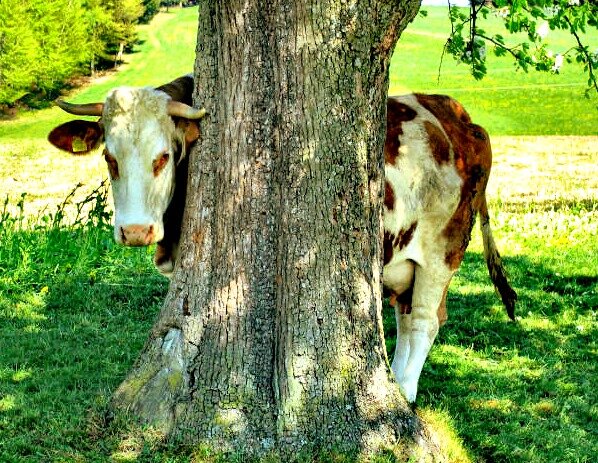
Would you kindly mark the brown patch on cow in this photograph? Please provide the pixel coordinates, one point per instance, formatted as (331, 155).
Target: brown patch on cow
(473, 162)
(180, 89)
(392, 242)
(388, 247)
(404, 237)
(444, 105)
(389, 196)
(442, 313)
(191, 133)
(162, 254)
(479, 134)
(405, 309)
(458, 229)
(396, 114)
(112, 165)
(454, 120)
(160, 163)
(403, 300)
(440, 146)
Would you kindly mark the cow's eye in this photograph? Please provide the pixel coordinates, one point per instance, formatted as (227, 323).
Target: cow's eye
(159, 163)
(112, 166)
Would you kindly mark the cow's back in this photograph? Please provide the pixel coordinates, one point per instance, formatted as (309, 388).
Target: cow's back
(435, 161)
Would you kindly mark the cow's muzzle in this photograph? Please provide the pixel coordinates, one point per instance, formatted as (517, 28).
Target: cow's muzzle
(137, 235)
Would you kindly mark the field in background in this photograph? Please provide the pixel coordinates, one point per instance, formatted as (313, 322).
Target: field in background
(505, 102)
(75, 308)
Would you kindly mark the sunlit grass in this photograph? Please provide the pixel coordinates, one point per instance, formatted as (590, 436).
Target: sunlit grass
(506, 101)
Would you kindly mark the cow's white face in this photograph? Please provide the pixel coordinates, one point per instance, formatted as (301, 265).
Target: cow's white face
(140, 148)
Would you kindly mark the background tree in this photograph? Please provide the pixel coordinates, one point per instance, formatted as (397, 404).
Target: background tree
(38, 49)
(61, 45)
(112, 28)
(270, 337)
(150, 9)
(17, 49)
(43, 44)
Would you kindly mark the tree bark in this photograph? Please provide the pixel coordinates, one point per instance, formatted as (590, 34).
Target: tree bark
(270, 337)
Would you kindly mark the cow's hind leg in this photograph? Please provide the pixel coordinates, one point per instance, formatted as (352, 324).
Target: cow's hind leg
(403, 319)
(428, 294)
(398, 278)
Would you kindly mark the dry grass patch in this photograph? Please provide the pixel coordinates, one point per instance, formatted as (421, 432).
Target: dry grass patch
(524, 169)
(46, 175)
(544, 168)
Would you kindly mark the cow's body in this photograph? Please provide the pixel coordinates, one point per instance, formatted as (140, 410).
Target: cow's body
(437, 165)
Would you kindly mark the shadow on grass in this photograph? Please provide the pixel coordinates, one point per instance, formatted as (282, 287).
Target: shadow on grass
(74, 313)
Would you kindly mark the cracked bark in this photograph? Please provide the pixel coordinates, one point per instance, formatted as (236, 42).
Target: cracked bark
(270, 336)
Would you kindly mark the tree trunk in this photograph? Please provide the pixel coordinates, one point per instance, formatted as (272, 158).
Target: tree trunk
(270, 337)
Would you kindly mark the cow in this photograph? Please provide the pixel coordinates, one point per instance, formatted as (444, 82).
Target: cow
(437, 164)
(147, 133)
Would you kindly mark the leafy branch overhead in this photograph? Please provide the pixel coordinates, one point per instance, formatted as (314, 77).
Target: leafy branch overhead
(527, 25)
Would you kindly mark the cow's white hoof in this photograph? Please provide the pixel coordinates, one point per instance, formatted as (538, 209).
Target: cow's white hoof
(409, 391)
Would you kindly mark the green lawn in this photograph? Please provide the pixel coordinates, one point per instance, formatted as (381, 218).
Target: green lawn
(75, 308)
(506, 101)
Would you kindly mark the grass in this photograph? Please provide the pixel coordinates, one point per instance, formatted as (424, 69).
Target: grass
(506, 101)
(70, 325)
(75, 309)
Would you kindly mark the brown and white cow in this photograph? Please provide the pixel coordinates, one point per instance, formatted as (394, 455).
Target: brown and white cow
(147, 134)
(437, 165)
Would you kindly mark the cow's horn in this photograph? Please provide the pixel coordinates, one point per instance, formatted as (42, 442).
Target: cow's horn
(88, 109)
(176, 108)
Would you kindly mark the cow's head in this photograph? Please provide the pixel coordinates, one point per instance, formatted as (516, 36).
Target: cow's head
(145, 135)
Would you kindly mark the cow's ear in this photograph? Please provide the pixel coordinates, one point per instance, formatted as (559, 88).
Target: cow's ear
(77, 137)
(191, 130)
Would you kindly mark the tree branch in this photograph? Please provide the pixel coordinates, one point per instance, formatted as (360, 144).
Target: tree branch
(584, 52)
(501, 45)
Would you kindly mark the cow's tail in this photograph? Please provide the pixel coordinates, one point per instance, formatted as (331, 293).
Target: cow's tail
(494, 262)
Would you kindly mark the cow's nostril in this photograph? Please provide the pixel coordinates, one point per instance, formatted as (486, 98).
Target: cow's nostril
(137, 235)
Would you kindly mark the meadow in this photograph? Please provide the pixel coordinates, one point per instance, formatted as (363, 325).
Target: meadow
(75, 308)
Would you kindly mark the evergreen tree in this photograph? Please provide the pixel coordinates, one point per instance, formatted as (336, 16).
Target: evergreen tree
(18, 51)
(43, 44)
(151, 8)
(62, 41)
